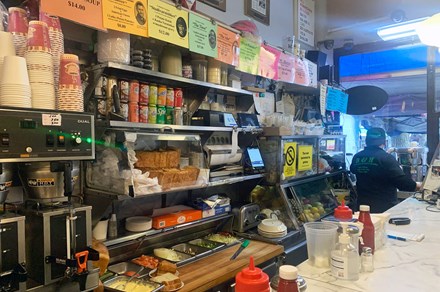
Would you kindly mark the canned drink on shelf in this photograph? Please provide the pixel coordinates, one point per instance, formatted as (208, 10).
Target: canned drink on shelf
(178, 97)
(153, 95)
(134, 91)
(152, 114)
(170, 97)
(143, 113)
(133, 112)
(169, 116)
(124, 110)
(178, 116)
(144, 93)
(161, 113)
(161, 96)
(124, 90)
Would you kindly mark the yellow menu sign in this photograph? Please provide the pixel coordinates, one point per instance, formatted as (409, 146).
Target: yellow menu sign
(126, 15)
(84, 12)
(289, 151)
(167, 23)
(305, 154)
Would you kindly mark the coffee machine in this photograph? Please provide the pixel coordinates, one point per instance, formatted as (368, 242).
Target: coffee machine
(47, 148)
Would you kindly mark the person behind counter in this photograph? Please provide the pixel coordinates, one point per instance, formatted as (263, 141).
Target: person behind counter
(378, 174)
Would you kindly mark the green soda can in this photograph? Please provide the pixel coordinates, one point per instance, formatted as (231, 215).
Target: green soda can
(169, 115)
(161, 113)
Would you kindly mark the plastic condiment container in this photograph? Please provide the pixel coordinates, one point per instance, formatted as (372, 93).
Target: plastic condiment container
(199, 68)
(343, 212)
(252, 279)
(368, 231)
(288, 276)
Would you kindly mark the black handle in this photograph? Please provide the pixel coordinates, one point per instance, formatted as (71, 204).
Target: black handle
(116, 99)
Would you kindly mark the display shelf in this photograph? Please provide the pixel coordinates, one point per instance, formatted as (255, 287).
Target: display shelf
(142, 236)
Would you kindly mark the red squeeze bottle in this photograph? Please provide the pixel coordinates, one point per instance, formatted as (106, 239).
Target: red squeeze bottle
(368, 231)
(252, 279)
(343, 212)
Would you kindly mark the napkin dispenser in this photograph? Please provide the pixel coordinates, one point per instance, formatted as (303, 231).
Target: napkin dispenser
(222, 154)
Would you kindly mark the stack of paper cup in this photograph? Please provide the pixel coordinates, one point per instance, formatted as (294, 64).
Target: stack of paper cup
(40, 66)
(18, 26)
(56, 43)
(6, 47)
(70, 89)
(15, 90)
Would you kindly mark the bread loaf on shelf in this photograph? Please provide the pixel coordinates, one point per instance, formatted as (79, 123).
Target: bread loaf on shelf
(170, 281)
(158, 159)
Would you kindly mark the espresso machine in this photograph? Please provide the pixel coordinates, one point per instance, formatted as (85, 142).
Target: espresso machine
(47, 148)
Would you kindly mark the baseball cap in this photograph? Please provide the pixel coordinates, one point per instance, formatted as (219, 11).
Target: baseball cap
(375, 137)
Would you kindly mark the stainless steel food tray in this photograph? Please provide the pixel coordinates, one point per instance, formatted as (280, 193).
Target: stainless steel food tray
(123, 267)
(207, 243)
(156, 286)
(194, 250)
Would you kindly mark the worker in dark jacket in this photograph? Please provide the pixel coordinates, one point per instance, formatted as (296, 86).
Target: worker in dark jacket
(378, 174)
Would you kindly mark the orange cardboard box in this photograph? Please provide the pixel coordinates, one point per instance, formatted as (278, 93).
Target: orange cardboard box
(173, 219)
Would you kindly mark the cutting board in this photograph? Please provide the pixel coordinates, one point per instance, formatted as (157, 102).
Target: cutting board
(217, 268)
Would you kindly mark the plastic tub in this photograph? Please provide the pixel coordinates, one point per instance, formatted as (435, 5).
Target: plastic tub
(321, 240)
(200, 69)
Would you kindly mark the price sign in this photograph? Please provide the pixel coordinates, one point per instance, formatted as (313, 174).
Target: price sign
(269, 58)
(286, 68)
(51, 120)
(202, 36)
(126, 15)
(228, 44)
(249, 55)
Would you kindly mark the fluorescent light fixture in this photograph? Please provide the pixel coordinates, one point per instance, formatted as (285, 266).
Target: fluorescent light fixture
(400, 30)
(428, 31)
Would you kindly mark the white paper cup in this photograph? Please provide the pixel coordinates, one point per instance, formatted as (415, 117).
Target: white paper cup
(6, 44)
(100, 230)
(14, 71)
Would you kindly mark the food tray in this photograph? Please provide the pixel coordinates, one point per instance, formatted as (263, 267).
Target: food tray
(139, 288)
(185, 258)
(123, 267)
(213, 245)
(194, 250)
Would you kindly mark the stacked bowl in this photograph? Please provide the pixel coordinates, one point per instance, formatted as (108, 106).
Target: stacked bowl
(70, 89)
(15, 89)
(18, 26)
(272, 228)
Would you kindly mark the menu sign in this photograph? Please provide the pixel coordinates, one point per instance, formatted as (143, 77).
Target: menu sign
(268, 66)
(249, 55)
(126, 15)
(167, 23)
(306, 21)
(81, 11)
(202, 36)
(286, 69)
(302, 76)
(305, 155)
(228, 44)
(337, 100)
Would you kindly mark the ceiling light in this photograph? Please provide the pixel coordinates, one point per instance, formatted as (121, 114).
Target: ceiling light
(428, 31)
(400, 30)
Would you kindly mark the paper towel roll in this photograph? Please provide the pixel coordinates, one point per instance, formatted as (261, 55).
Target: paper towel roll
(223, 158)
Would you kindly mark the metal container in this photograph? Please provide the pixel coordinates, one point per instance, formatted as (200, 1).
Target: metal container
(213, 245)
(123, 279)
(124, 267)
(184, 258)
(40, 183)
(194, 250)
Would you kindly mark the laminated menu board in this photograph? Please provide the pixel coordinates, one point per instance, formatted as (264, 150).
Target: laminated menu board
(228, 45)
(202, 35)
(268, 65)
(126, 15)
(249, 55)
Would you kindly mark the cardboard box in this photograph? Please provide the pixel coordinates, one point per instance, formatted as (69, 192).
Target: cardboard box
(172, 219)
(216, 211)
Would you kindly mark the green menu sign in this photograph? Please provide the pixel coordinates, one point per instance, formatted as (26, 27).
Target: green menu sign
(249, 55)
(202, 36)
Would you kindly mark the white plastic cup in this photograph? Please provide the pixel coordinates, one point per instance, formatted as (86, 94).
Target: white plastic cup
(14, 71)
(100, 230)
(321, 240)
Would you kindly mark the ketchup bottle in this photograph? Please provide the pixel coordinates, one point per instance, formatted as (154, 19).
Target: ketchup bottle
(368, 231)
(252, 279)
(288, 275)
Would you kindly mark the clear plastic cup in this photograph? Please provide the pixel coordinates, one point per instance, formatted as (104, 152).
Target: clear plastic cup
(321, 240)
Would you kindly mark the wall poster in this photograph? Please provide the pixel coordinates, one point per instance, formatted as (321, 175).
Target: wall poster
(202, 36)
(228, 44)
(258, 10)
(219, 4)
(126, 15)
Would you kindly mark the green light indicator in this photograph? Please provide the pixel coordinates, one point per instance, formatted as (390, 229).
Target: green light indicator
(89, 140)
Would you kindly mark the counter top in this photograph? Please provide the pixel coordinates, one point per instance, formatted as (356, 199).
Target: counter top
(217, 268)
(399, 265)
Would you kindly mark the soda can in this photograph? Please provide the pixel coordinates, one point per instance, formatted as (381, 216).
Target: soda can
(170, 97)
(143, 113)
(124, 110)
(169, 115)
(153, 95)
(161, 113)
(178, 97)
(144, 93)
(152, 114)
(133, 96)
(161, 96)
(178, 116)
(124, 90)
(133, 112)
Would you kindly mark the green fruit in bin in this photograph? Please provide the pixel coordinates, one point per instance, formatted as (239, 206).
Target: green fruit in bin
(307, 206)
(316, 204)
(321, 210)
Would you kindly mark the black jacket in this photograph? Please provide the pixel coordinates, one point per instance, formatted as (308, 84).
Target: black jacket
(378, 175)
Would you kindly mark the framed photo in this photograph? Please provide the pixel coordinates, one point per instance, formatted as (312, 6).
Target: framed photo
(258, 10)
(219, 4)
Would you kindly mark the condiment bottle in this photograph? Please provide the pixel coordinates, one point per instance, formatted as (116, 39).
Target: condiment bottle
(368, 231)
(113, 226)
(252, 279)
(288, 276)
(343, 212)
(367, 262)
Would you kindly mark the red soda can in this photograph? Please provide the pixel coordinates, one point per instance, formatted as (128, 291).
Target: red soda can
(143, 113)
(178, 97)
(124, 90)
(144, 93)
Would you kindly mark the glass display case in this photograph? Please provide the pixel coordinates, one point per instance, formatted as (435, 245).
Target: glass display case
(331, 153)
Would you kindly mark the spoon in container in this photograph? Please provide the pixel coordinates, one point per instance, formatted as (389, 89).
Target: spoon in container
(135, 275)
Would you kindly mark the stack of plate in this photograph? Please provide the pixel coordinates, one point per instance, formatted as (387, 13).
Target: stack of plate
(56, 43)
(18, 26)
(272, 228)
(70, 90)
(40, 66)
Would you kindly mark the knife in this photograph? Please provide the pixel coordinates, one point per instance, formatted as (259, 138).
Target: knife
(240, 249)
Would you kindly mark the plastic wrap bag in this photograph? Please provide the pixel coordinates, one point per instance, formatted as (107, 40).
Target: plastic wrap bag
(114, 46)
(3, 17)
